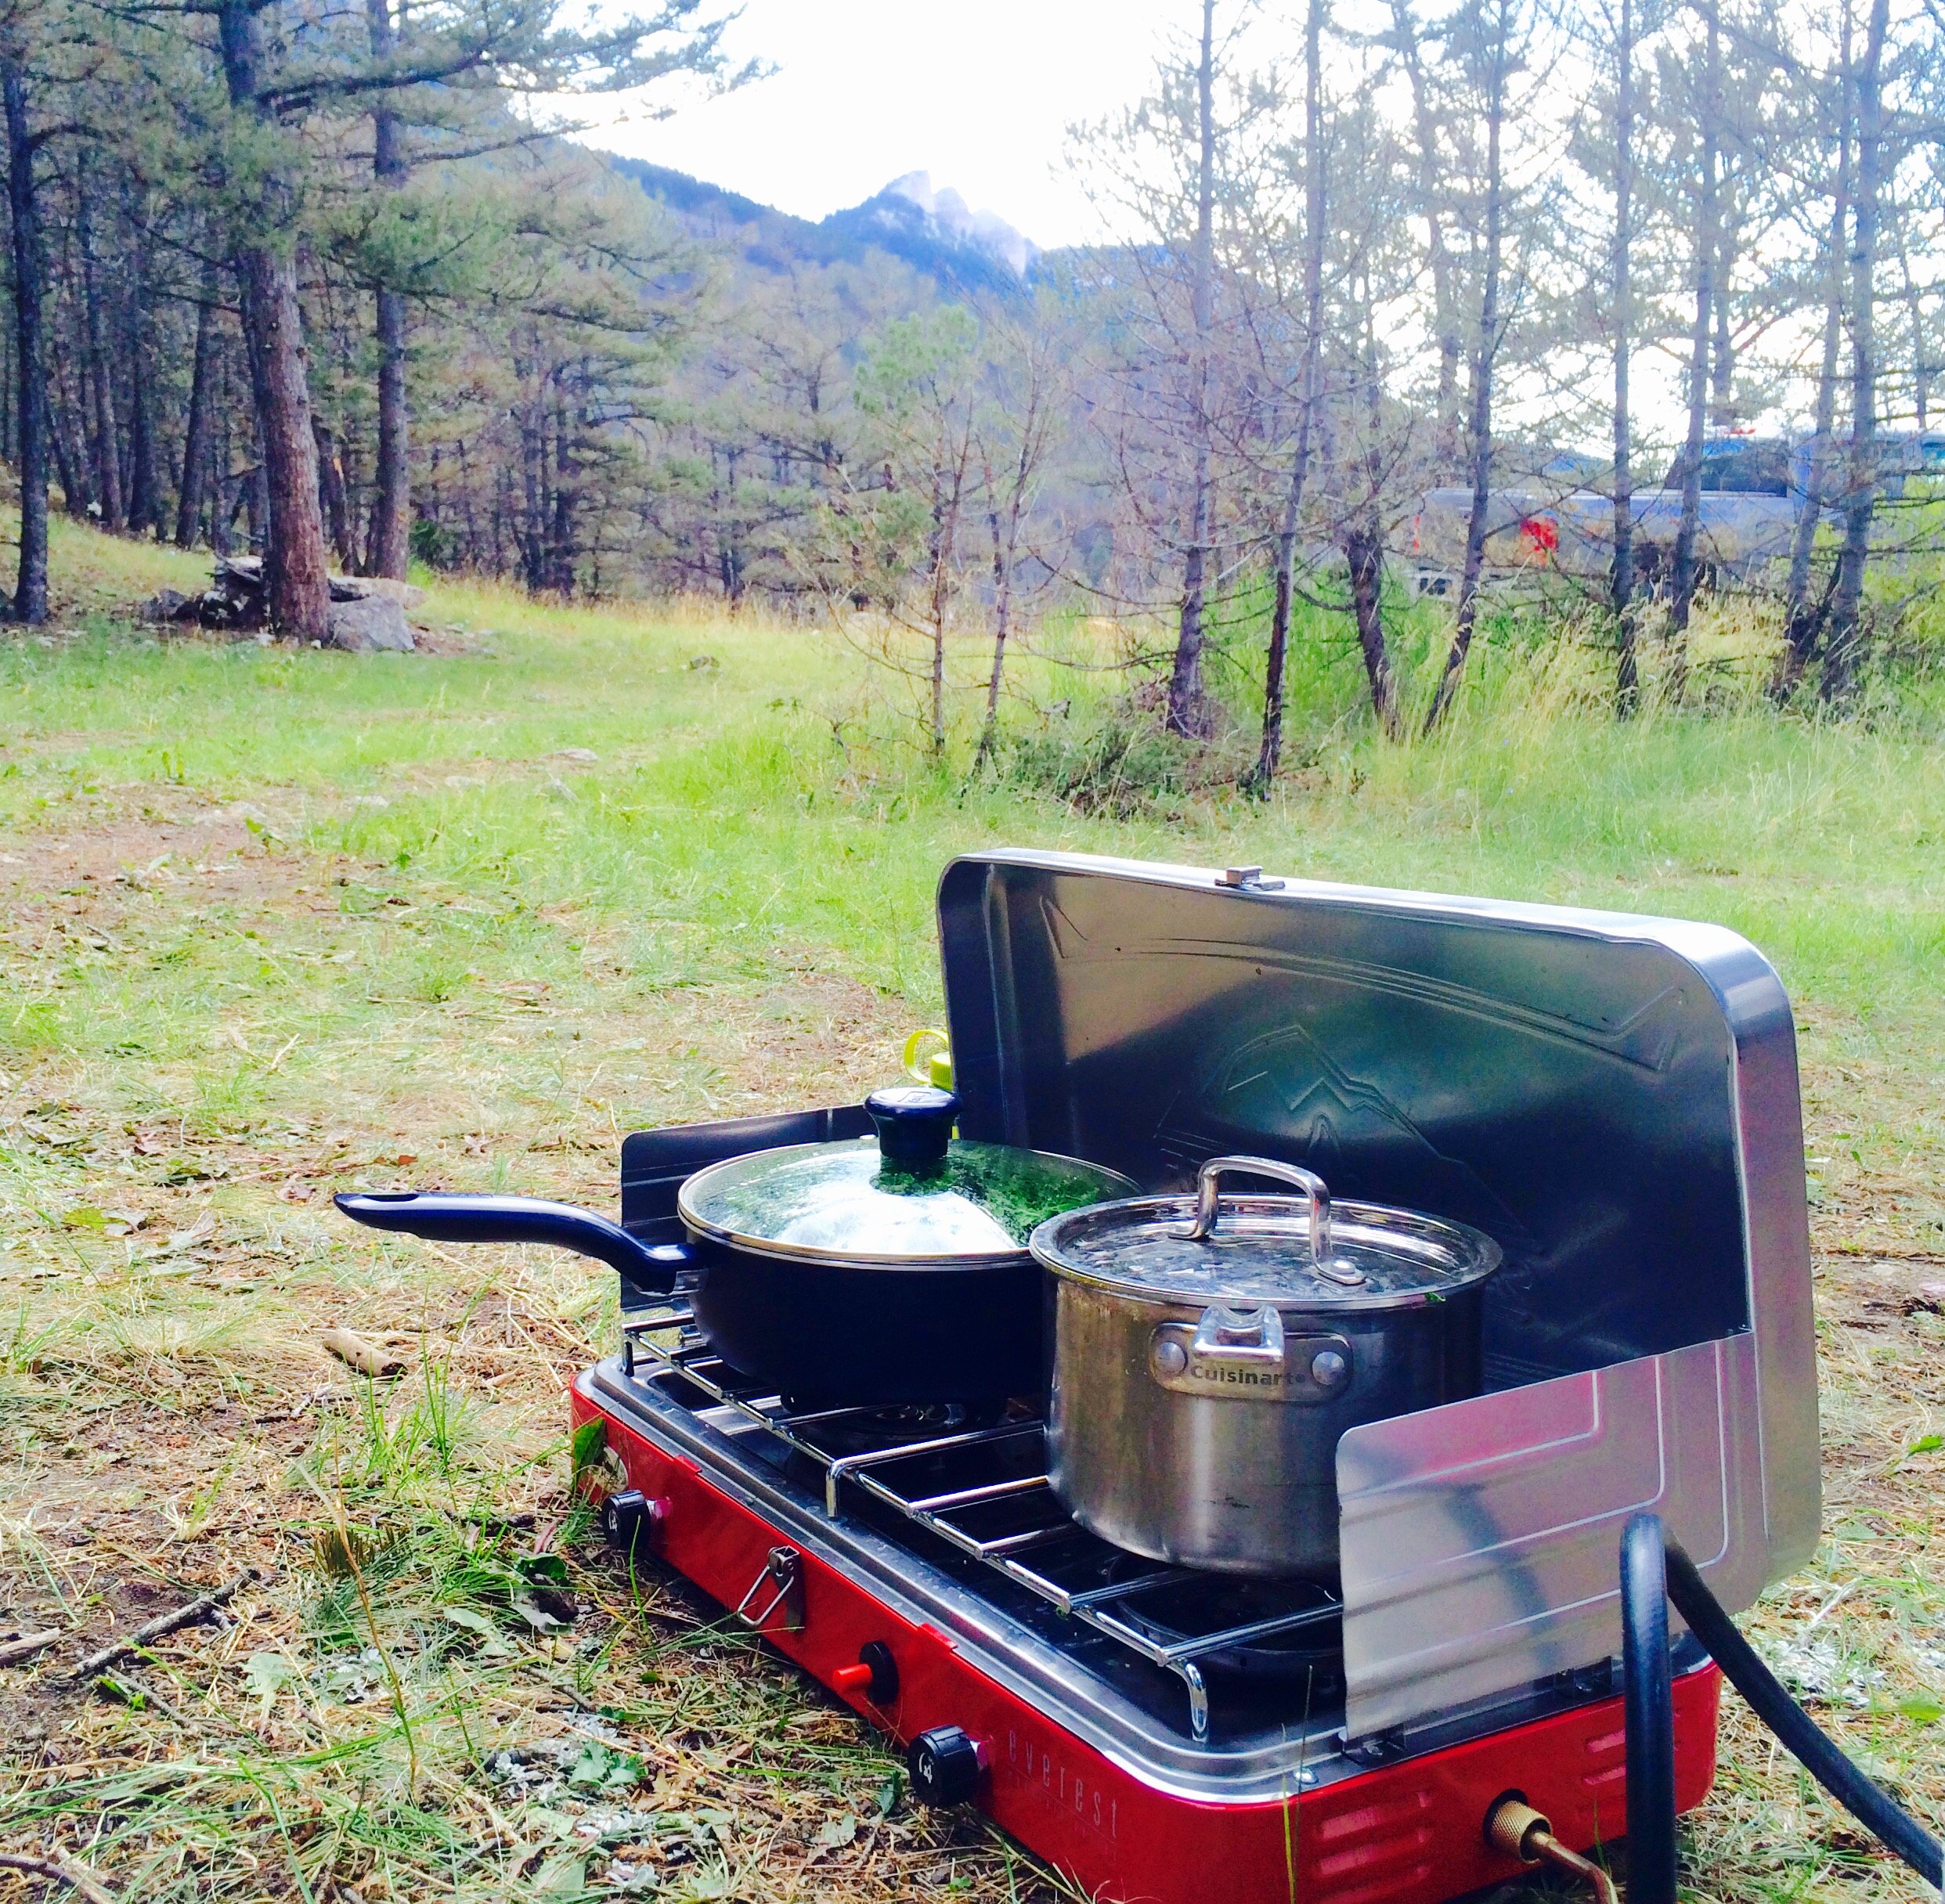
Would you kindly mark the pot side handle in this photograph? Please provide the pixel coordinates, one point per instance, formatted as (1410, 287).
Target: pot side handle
(445, 1218)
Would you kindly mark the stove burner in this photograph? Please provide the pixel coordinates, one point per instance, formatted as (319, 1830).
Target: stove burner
(847, 1431)
(977, 1480)
(1169, 1615)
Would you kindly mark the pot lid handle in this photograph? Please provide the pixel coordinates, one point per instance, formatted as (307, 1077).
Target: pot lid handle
(914, 1123)
(1207, 1191)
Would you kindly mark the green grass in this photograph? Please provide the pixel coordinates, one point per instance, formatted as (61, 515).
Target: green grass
(278, 921)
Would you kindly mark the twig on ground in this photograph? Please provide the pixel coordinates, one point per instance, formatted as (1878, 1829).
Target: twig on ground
(164, 1624)
(137, 1696)
(365, 1357)
(13, 1651)
(58, 1870)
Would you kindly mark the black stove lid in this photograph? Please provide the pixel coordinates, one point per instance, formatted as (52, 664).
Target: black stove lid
(1565, 1081)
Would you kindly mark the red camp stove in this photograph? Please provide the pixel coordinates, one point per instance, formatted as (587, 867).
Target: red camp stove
(1613, 1099)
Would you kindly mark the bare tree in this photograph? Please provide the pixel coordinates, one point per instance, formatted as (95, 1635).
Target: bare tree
(1626, 679)
(1839, 680)
(386, 542)
(1269, 753)
(24, 144)
(1406, 39)
(1496, 55)
(198, 428)
(1682, 568)
(1803, 616)
(1188, 700)
(1020, 424)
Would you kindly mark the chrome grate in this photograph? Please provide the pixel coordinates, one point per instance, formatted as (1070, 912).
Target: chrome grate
(998, 1517)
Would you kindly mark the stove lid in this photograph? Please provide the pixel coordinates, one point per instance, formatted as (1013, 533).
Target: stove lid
(1303, 1251)
(911, 1194)
(1611, 1098)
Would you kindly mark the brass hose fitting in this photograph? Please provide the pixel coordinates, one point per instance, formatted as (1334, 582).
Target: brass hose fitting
(1514, 1828)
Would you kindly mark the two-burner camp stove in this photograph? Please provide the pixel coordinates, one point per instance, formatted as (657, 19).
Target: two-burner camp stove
(1614, 1099)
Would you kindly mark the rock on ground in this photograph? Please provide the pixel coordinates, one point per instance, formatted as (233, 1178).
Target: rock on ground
(169, 605)
(372, 623)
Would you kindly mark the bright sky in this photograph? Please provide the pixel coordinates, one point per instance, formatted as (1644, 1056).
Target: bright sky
(980, 96)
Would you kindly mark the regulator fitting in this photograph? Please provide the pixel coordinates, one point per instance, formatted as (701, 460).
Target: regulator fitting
(1514, 1828)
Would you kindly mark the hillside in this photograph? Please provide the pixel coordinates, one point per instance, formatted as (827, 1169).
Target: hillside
(933, 233)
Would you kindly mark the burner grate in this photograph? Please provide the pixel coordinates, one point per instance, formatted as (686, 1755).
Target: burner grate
(998, 1519)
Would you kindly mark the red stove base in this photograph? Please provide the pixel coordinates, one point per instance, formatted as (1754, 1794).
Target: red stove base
(1407, 1833)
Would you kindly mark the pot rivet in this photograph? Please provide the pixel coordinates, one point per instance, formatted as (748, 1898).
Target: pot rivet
(1171, 1357)
(1328, 1368)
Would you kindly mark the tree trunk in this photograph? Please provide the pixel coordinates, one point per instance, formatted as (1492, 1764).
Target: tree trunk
(1269, 754)
(1722, 404)
(330, 479)
(97, 377)
(1485, 347)
(1437, 253)
(1627, 691)
(388, 544)
(30, 589)
(1841, 652)
(1682, 568)
(196, 431)
(295, 570)
(1188, 709)
(1364, 553)
(145, 481)
(1006, 549)
(1803, 618)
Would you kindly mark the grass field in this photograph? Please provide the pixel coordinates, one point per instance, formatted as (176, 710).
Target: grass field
(279, 922)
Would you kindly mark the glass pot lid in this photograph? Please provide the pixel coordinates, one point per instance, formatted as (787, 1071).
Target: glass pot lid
(912, 1194)
(1300, 1252)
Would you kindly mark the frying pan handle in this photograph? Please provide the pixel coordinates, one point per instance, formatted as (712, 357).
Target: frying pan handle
(449, 1219)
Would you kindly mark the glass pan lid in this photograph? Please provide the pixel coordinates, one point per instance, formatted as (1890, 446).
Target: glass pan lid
(979, 1200)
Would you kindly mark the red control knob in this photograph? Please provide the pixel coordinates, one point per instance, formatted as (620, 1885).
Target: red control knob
(875, 1674)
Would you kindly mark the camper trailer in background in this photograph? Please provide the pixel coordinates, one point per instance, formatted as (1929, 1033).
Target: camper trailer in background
(1752, 491)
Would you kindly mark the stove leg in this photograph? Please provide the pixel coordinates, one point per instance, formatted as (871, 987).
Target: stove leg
(1191, 1677)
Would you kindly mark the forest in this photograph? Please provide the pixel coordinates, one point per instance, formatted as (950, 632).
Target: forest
(1606, 309)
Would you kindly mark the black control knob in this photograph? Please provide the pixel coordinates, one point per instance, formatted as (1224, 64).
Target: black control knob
(945, 1765)
(914, 1123)
(629, 1520)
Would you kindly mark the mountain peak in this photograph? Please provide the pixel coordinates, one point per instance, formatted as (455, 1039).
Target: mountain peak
(986, 231)
(934, 231)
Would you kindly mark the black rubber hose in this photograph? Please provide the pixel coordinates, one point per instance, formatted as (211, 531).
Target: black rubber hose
(1858, 1794)
(1648, 1701)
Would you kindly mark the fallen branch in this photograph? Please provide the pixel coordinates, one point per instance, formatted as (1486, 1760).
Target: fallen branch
(13, 1651)
(164, 1624)
(59, 1871)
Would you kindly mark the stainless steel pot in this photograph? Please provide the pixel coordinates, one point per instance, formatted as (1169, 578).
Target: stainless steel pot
(1209, 1352)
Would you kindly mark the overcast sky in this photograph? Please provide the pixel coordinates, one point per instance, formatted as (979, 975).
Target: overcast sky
(865, 91)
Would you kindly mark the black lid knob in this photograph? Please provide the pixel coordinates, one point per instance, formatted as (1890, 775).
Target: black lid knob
(944, 1764)
(914, 1123)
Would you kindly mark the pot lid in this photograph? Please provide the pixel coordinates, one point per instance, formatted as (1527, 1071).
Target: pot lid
(1302, 1251)
(911, 1194)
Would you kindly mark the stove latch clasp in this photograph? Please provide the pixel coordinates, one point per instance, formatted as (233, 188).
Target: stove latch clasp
(783, 1574)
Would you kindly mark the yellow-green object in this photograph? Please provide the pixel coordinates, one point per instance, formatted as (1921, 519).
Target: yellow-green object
(929, 1067)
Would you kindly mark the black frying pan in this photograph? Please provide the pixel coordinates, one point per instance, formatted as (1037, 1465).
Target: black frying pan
(822, 1330)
